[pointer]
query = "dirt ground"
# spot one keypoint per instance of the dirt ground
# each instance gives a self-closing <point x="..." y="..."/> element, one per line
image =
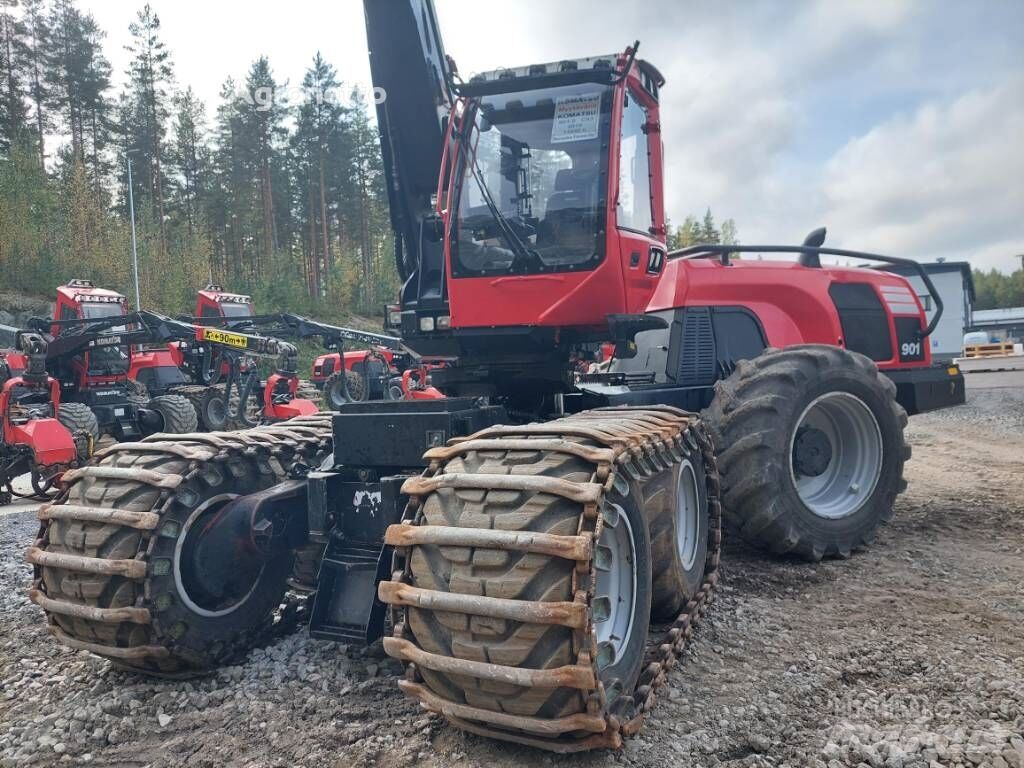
<point x="908" y="655"/>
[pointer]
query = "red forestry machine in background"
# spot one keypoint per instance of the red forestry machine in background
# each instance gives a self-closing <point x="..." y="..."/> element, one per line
<point x="164" y="368"/>
<point x="527" y="528"/>
<point x="97" y="377"/>
<point x="97" y="354"/>
<point x="40" y="435"/>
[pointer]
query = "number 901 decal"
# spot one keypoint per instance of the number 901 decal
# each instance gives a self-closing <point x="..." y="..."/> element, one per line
<point x="910" y="349"/>
<point x="909" y="341"/>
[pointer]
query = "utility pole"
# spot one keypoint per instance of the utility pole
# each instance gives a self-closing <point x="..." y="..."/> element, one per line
<point x="135" y="252"/>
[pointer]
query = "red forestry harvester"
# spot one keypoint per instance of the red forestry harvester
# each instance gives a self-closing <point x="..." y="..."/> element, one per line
<point x="171" y="355"/>
<point x="166" y="368"/>
<point x="523" y="532"/>
<point x="95" y="375"/>
<point x="41" y="436"/>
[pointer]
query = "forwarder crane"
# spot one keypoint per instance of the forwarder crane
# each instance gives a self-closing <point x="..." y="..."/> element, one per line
<point x="78" y="338"/>
<point x="523" y="532"/>
<point x="198" y="372"/>
<point x="374" y="373"/>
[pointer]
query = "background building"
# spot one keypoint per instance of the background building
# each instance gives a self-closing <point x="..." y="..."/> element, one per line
<point x="1005" y="324"/>
<point x="953" y="281"/>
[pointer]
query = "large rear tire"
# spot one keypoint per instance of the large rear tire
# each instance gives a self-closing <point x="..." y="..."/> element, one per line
<point x="811" y="450"/>
<point x="79" y="418"/>
<point x="113" y="564"/>
<point x="179" y="415"/>
<point x="343" y="387"/>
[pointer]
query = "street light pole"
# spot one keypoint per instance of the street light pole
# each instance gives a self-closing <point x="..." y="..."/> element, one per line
<point x="135" y="252"/>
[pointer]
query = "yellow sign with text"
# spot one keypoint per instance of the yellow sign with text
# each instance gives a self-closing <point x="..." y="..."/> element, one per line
<point x="224" y="337"/>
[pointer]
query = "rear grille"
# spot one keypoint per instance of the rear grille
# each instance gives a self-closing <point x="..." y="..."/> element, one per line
<point x="697" y="361"/>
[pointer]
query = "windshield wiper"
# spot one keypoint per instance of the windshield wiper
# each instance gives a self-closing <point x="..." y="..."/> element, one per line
<point x="522" y="253"/>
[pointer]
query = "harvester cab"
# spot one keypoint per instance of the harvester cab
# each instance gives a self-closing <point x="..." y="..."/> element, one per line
<point x="95" y="353"/>
<point x="94" y="369"/>
<point x="543" y="234"/>
<point x="213" y="301"/>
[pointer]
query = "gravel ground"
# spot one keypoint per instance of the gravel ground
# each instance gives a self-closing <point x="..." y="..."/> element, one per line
<point x="910" y="655"/>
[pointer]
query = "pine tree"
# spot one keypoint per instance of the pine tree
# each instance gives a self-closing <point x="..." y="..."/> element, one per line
<point x="96" y="105"/>
<point x="190" y="159"/>
<point x="262" y="126"/>
<point x="708" y="231"/>
<point x="315" y="145"/>
<point x="13" y="110"/>
<point x="151" y="78"/>
<point x="77" y="84"/>
<point x="37" y="39"/>
<point x="228" y="196"/>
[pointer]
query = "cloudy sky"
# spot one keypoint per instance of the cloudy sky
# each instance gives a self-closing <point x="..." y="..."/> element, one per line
<point x="899" y="124"/>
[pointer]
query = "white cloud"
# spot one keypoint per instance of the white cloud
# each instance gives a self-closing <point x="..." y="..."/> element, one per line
<point x="943" y="181"/>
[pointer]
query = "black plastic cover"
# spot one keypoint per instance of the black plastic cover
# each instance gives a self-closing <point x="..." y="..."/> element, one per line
<point x="395" y="434"/>
<point x="864" y="320"/>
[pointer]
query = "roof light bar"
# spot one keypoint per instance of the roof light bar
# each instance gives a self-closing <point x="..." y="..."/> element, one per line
<point x="93" y="298"/>
<point x="554" y="67"/>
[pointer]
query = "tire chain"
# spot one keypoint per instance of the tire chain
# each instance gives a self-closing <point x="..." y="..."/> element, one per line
<point x="652" y="446"/>
<point x="287" y="449"/>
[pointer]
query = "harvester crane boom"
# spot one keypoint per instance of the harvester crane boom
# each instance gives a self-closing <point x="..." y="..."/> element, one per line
<point x="292" y="326"/>
<point x="412" y="78"/>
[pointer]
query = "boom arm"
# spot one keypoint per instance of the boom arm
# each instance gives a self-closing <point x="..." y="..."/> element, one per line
<point x="291" y="326"/>
<point x="412" y="85"/>
<point x="145" y="327"/>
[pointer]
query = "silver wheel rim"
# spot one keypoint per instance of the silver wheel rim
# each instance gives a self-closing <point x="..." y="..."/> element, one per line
<point x="615" y="591"/>
<point x="687" y="515"/>
<point x="855" y="465"/>
<point x="180" y="544"/>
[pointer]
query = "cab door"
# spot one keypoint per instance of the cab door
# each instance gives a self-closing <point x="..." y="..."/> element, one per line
<point x="639" y="214"/>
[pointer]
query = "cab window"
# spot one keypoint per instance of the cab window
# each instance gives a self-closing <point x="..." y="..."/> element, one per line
<point x="634" y="204"/>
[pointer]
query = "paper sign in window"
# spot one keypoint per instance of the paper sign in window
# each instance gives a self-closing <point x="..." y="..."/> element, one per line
<point x="576" y="118"/>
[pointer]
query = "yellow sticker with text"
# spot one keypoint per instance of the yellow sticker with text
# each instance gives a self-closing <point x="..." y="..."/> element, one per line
<point x="223" y="337"/>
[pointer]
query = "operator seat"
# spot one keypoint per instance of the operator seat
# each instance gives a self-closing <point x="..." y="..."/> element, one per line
<point x="568" y="226"/>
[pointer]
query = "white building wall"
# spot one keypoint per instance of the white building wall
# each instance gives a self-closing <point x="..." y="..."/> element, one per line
<point x="948" y="338"/>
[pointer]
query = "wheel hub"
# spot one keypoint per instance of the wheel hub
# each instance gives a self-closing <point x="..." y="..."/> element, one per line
<point x="616" y="588"/>
<point x="812" y="452"/>
<point x="687" y="515"/>
<point x="215" y="583"/>
<point x="836" y="455"/>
